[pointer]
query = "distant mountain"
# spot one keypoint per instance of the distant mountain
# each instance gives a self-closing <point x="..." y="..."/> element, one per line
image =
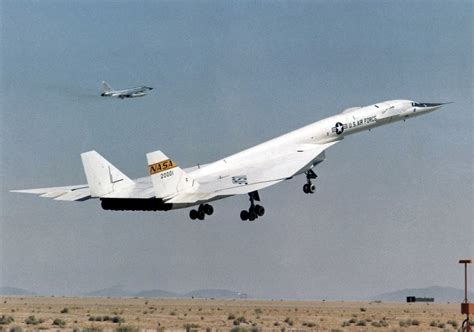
<point x="114" y="291"/>
<point x="156" y="293"/>
<point x="14" y="291"/>
<point x="121" y="291"/>
<point x="440" y="294"/>
<point x="216" y="294"/>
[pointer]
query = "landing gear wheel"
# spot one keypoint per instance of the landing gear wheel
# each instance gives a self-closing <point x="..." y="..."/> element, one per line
<point x="201" y="215"/>
<point x="309" y="187"/>
<point x="306" y="188"/>
<point x="252" y="216"/>
<point x="208" y="209"/>
<point x="254" y="211"/>
<point x="193" y="214"/>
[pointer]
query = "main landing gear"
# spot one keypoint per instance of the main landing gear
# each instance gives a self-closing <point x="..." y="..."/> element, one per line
<point x="201" y="212"/>
<point x="254" y="211"/>
<point x="309" y="187"/>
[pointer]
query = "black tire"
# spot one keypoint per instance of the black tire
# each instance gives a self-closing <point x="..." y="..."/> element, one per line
<point x="193" y="214"/>
<point x="244" y="215"/>
<point x="252" y="216"/>
<point x="208" y="209"/>
<point x="201" y="215"/>
<point x="259" y="210"/>
<point x="306" y="188"/>
<point x="312" y="188"/>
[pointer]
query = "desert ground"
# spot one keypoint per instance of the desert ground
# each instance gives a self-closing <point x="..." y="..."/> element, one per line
<point x="134" y="314"/>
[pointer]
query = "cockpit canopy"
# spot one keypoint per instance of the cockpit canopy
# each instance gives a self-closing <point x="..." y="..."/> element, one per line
<point x="425" y="104"/>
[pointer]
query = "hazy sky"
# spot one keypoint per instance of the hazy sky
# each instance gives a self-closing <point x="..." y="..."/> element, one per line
<point x="393" y="208"/>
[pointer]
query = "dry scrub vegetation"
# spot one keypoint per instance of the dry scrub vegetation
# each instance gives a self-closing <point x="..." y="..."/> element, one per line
<point x="136" y="314"/>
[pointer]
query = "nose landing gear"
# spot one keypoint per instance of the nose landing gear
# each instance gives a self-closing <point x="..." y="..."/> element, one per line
<point x="309" y="187"/>
<point x="201" y="212"/>
<point x="254" y="211"/>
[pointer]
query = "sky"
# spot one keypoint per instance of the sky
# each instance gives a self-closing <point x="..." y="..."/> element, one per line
<point x="393" y="207"/>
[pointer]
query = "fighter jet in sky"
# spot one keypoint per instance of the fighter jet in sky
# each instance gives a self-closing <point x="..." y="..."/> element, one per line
<point x="168" y="186"/>
<point x="138" y="91"/>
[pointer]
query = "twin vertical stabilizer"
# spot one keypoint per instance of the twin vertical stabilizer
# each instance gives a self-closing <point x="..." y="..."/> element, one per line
<point x="167" y="178"/>
<point x="102" y="177"/>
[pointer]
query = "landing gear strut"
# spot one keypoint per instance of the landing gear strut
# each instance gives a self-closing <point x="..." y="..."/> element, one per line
<point x="309" y="187"/>
<point x="201" y="212"/>
<point x="254" y="211"/>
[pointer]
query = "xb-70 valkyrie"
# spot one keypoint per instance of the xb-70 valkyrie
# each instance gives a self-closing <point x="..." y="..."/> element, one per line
<point x="169" y="187"/>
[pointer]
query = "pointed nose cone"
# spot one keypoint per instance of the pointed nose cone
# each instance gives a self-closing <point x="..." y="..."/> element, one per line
<point x="436" y="106"/>
<point x="430" y="107"/>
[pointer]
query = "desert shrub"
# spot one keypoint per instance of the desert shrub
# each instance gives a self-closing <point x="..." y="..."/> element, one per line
<point x="65" y="311"/>
<point x="376" y="324"/>
<point x="309" y="324"/>
<point x="117" y="319"/>
<point x="172" y="313"/>
<point x="433" y="323"/>
<point x="289" y="321"/>
<point x="126" y="329"/>
<point x="409" y="322"/>
<point x="258" y="311"/>
<point x="245" y="329"/>
<point x="113" y="319"/>
<point x="190" y="327"/>
<point x="453" y="323"/>
<point x="16" y="329"/>
<point x="352" y="321"/>
<point x="276" y="324"/>
<point x="241" y="319"/>
<point x="238" y="329"/>
<point x="363" y="309"/>
<point x="336" y="330"/>
<point x="5" y="320"/>
<point x="384" y="323"/>
<point x="345" y="324"/>
<point x="32" y="320"/>
<point x="361" y="323"/>
<point x="91" y="329"/>
<point x="441" y="325"/>
<point x="59" y="322"/>
<point x="231" y="317"/>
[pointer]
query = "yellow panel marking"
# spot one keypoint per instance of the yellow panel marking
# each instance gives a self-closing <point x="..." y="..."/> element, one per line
<point x="161" y="166"/>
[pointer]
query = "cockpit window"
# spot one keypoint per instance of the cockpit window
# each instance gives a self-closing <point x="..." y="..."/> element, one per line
<point x="426" y="104"/>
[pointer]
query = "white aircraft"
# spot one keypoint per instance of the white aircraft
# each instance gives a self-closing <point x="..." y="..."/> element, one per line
<point x="170" y="187"/>
<point x="138" y="91"/>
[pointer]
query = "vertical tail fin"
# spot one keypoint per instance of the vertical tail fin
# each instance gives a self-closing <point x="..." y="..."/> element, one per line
<point x="106" y="87"/>
<point x="102" y="177"/>
<point x="168" y="179"/>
